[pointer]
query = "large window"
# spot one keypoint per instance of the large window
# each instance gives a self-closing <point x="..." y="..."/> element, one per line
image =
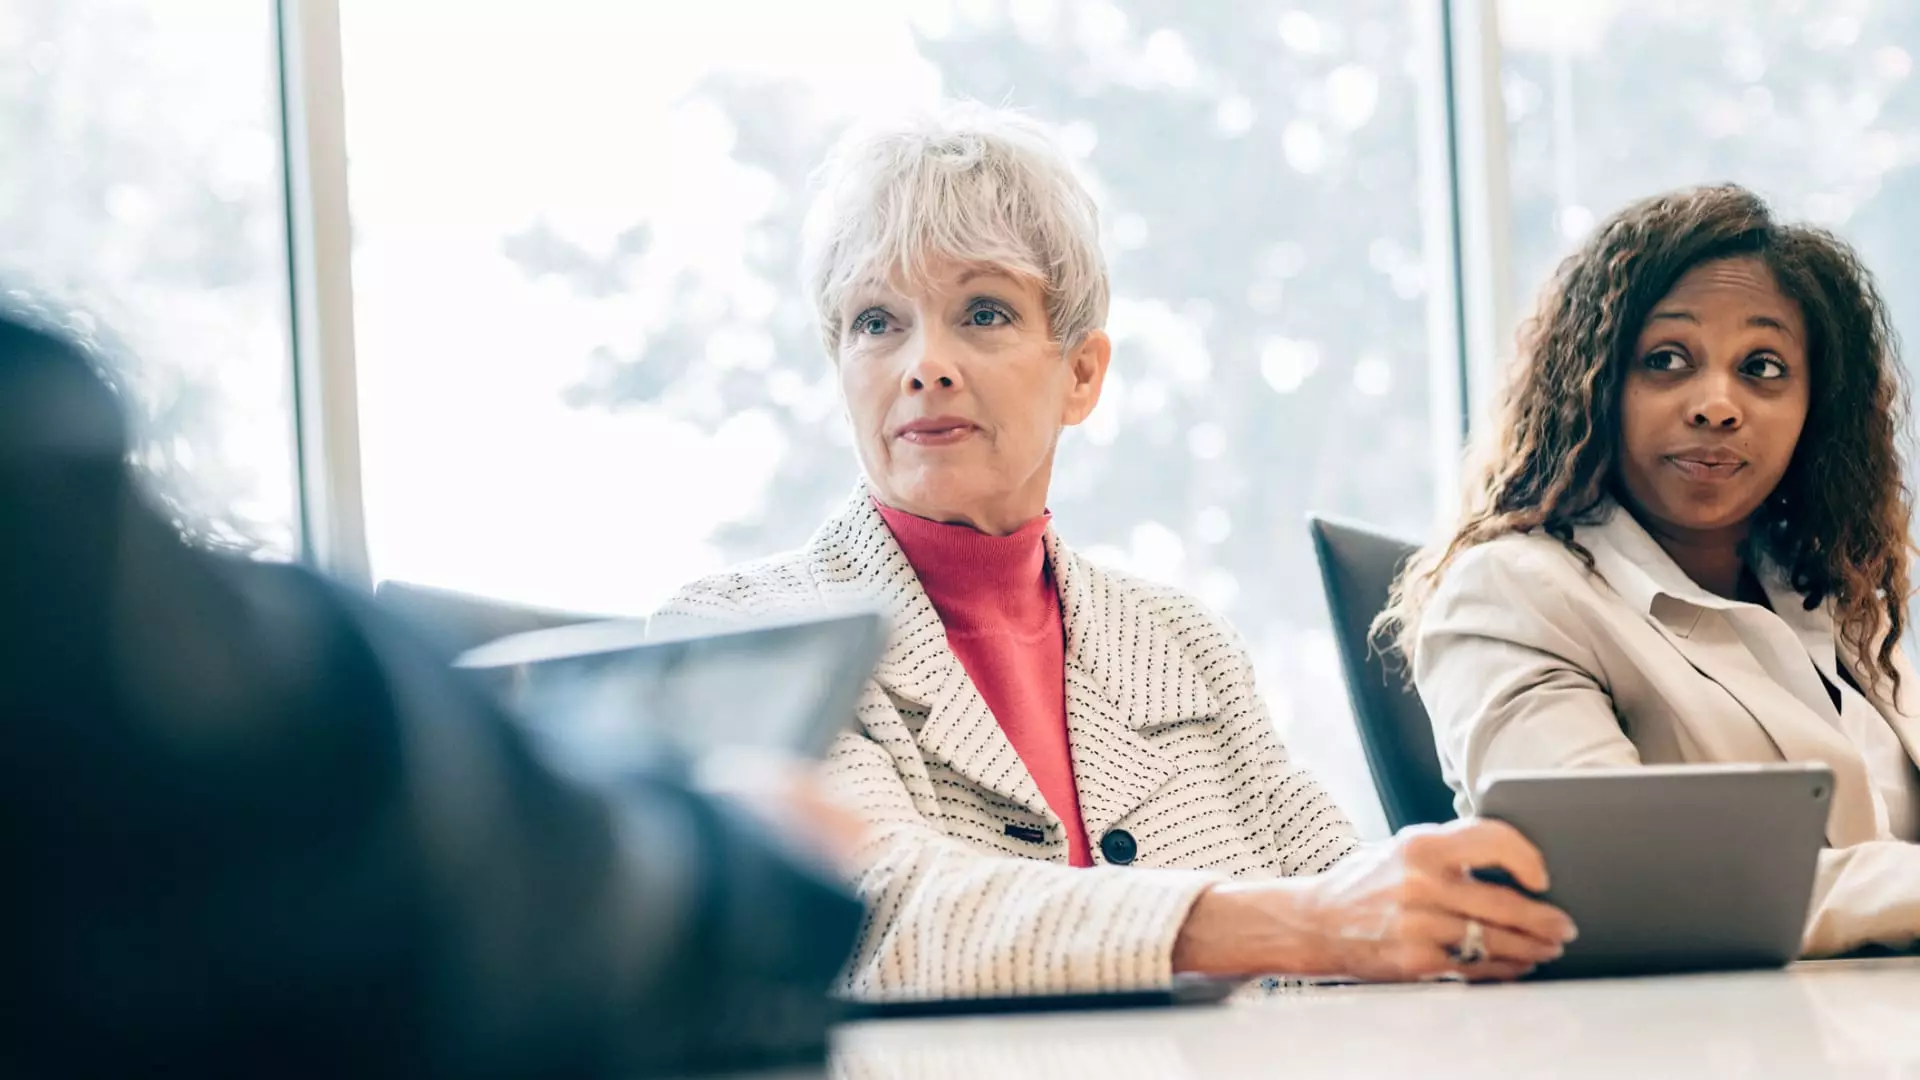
<point x="588" y="375"/>
<point x="141" y="204"/>
<point x="1814" y="105"/>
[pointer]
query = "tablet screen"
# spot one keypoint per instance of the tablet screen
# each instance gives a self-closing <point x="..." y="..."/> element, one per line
<point x="607" y="692"/>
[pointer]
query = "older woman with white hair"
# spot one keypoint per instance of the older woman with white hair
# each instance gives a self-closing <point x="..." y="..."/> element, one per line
<point x="1069" y="778"/>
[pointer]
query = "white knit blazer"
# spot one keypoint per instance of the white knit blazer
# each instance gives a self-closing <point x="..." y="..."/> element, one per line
<point x="966" y="880"/>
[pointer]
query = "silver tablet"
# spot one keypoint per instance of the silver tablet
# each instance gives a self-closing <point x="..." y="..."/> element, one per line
<point x="1669" y="868"/>
<point x="609" y="692"/>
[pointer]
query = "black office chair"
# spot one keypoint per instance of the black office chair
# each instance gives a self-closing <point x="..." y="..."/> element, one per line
<point x="1356" y="569"/>
<point x="459" y="621"/>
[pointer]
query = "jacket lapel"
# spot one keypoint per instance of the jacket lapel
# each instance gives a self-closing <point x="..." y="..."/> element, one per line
<point x="856" y="562"/>
<point x="1126" y="675"/>
<point x="1710" y="644"/>
<point x="1693" y="622"/>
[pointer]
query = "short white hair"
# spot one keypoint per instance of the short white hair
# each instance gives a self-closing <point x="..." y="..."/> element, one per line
<point x="976" y="185"/>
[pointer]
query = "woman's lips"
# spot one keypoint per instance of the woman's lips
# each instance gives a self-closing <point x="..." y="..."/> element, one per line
<point x="937" y="431"/>
<point x="1705" y="470"/>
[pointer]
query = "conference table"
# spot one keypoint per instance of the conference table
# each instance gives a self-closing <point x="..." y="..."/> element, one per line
<point x="1844" y="1018"/>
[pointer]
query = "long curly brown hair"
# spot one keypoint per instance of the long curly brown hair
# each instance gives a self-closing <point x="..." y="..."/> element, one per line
<point x="1837" y="522"/>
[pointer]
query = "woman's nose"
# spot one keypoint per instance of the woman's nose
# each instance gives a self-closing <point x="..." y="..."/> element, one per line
<point x="928" y="369"/>
<point x="1719" y="415"/>
<point x="1716" y="409"/>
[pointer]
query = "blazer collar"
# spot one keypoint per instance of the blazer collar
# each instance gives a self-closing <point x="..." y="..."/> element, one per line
<point x="1644" y="575"/>
<point x="1125" y="671"/>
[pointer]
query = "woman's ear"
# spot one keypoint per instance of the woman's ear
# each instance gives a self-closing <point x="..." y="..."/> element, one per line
<point x="1087" y="365"/>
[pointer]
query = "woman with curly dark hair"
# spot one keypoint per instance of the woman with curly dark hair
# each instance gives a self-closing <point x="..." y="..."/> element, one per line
<point x="1688" y="541"/>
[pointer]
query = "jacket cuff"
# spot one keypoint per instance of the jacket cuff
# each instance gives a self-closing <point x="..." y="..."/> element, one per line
<point x="1123" y="929"/>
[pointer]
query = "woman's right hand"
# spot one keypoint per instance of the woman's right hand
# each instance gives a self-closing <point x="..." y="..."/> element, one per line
<point x="1389" y="912"/>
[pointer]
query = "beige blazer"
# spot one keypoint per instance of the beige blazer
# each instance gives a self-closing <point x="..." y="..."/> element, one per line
<point x="1527" y="660"/>
<point x="966" y="880"/>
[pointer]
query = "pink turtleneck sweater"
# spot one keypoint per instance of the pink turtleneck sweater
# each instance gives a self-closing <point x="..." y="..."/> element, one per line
<point x="996" y="597"/>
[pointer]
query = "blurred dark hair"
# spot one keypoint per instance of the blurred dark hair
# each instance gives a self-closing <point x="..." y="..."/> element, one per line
<point x="1837" y="522"/>
<point x="41" y="308"/>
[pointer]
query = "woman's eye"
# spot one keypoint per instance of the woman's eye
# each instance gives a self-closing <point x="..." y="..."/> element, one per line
<point x="871" y="323"/>
<point x="1766" y="367"/>
<point x="988" y="315"/>
<point x="1665" y="360"/>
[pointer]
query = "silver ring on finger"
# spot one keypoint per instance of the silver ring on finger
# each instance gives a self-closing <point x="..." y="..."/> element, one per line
<point x="1473" y="945"/>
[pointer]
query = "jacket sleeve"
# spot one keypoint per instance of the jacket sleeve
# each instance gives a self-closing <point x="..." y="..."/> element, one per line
<point x="1867" y="894"/>
<point x="1506" y="677"/>
<point x="250" y="826"/>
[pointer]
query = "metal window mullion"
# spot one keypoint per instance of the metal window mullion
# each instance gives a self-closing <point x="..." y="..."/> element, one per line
<point x="1440" y="240"/>
<point x="1484" y="200"/>
<point x="319" y="251"/>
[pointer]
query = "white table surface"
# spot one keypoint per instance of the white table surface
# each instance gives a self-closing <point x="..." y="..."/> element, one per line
<point x="1833" y="1019"/>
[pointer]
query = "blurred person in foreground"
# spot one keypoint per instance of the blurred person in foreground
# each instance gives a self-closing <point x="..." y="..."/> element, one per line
<point x="1690" y="540"/>
<point x="250" y="828"/>
<point x="1071" y="781"/>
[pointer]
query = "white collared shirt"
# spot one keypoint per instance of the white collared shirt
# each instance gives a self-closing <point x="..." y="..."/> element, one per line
<point x="1783" y="639"/>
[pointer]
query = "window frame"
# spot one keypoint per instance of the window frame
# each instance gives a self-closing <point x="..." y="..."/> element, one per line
<point x="332" y="527"/>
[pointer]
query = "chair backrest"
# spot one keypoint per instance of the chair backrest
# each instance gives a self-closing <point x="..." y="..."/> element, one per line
<point x="459" y="621"/>
<point x="1357" y="567"/>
